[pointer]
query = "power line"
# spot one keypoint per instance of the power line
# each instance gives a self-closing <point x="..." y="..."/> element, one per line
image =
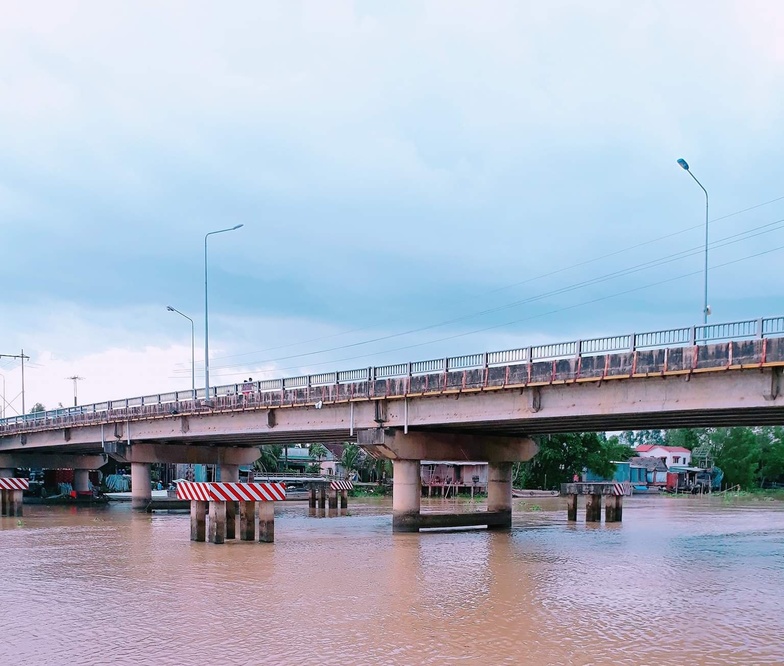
<point x="515" y="284"/>
<point x="722" y="242"/>
<point x="537" y="316"/>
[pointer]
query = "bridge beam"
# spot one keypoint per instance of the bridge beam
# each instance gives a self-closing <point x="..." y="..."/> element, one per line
<point x="396" y="445"/>
<point x="25" y="460"/>
<point x="225" y="456"/>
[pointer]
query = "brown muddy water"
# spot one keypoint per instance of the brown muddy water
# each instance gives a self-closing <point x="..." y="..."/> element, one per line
<point x="681" y="581"/>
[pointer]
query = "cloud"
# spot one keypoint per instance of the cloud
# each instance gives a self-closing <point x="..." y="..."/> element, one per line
<point x="394" y="165"/>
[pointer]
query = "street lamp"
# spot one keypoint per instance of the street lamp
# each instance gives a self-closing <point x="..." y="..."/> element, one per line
<point x="705" y="309"/>
<point x="193" y="349"/>
<point x="206" y="313"/>
<point x="3" y="405"/>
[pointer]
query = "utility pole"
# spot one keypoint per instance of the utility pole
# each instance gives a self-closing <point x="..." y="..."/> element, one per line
<point x="75" y="379"/>
<point x="23" y="357"/>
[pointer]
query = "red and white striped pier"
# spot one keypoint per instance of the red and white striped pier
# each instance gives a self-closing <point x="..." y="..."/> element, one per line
<point x="220" y="496"/>
<point x="11" y="489"/>
<point x="337" y="497"/>
<point x="613" y="508"/>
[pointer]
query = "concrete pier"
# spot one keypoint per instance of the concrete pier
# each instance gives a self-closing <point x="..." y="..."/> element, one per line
<point x="322" y="497"/>
<point x="499" y="493"/>
<point x="612" y="492"/>
<point x="593" y="509"/>
<point x="571" y="508"/>
<point x="312" y="498"/>
<point x="247" y="521"/>
<point x="266" y="522"/>
<point x="333" y="500"/>
<point x="230" y="474"/>
<point x="406" y="495"/>
<point x="217" y="527"/>
<point x="10" y="500"/>
<point x="141" y="486"/>
<point x="198" y="520"/>
<point x="613" y="509"/>
<point x="344" y="499"/>
<point x="81" y="480"/>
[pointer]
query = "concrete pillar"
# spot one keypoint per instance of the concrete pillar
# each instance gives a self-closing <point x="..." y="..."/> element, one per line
<point x="81" y="480"/>
<point x="333" y="500"/>
<point x="248" y="521"/>
<point x="5" y="495"/>
<point x="499" y="492"/>
<point x="613" y="509"/>
<point x="344" y="499"/>
<point x="13" y="503"/>
<point x="312" y="500"/>
<point x="406" y="495"/>
<point x="593" y="509"/>
<point x="322" y="496"/>
<point x="571" y="508"/>
<point x="217" y="522"/>
<point x="141" y="486"/>
<point x="198" y="520"/>
<point x="230" y="474"/>
<point x="266" y="522"/>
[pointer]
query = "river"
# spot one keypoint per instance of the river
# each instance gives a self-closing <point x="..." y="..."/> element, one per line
<point x="684" y="580"/>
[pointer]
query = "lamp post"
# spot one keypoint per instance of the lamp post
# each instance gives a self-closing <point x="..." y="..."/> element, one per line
<point x="3" y="405"/>
<point x="705" y="311"/>
<point x="206" y="313"/>
<point x="75" y="379"/>
<point x="193" y="349"/>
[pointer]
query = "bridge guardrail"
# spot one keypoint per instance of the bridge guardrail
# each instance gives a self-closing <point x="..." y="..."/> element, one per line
<point x="232" y="394"/>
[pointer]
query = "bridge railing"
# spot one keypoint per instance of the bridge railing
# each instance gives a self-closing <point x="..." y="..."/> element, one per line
<point x="175" y="401"/>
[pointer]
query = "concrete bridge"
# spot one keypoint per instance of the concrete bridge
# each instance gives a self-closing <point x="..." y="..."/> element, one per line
<point x="480" y="407"/>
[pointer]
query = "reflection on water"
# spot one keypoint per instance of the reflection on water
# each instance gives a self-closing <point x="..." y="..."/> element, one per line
<point x="682" y="580"/>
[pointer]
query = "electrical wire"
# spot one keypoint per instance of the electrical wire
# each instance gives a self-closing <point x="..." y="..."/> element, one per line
<point x="515" y="284"/>
<point x="524" y="319"/>
<point x="667" y="259"/>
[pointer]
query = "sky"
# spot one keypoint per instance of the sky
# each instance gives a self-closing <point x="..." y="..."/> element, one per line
<point x="414" y="180"/>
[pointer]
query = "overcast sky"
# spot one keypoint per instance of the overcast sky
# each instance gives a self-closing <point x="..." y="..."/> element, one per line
<point x="400" y="168"/>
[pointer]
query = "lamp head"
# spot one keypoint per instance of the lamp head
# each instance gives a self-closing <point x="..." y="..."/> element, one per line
<point x="234" y="228"/>
<point x="170" y="308"/>
<point x="683" y="164"/>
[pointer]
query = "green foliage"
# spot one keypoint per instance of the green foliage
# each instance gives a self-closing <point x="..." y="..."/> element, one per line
<point x="771" y="442"/>
<point x="351" y="458"/>
<point x="688" y="438"/>
<point x="750" y="457"/>
<point x="318" y="452"/>
<point x="268" y="462"/>
<point x="562" y="456"/>
<point x="634" y="438"/>
<point x="37" y="407"/>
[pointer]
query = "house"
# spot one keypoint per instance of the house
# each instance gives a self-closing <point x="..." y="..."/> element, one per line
<point x="671" y="455"/>
<point x="655" y="470"/>
<point x="453" y="476"/>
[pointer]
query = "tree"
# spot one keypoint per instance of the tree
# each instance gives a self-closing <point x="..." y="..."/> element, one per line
<point x="351" y="458"/>
<point x="268" y="461"/>
<point x="738" y="454"/>
<point x="638" y="437"/>
<point x="37" y="407"/>
<point x="688" y="438"/>
<point x="318" y="452"/>
<point x="771" y="441"/>
<point x="562" y="456"/>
